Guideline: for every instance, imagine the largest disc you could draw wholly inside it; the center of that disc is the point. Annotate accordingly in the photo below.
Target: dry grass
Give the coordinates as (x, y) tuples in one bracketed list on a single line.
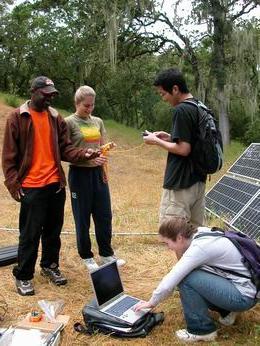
[(135, 183)]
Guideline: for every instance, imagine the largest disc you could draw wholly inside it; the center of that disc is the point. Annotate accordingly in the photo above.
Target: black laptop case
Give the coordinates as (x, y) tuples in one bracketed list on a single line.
[(97, 321)]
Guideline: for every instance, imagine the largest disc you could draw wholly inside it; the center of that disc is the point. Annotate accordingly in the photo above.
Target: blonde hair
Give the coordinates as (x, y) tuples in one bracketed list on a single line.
[(174, 226), (82, 92)]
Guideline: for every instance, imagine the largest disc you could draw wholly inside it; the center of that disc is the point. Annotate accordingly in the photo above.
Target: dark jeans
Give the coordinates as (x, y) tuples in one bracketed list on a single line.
[(90, 195), (41, 216)]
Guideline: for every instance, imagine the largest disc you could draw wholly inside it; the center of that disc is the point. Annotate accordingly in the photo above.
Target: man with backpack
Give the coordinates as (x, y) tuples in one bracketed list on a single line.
[(184, 184)]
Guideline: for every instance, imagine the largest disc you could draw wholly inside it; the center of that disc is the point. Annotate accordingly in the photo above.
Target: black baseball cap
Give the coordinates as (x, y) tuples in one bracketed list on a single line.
[(44, 83)]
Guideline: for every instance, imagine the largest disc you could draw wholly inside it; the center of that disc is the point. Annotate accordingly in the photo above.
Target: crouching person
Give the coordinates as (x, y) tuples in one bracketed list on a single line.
[(206, 278)]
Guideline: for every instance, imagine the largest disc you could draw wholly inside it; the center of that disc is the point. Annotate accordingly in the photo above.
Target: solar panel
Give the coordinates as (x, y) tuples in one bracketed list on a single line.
[(248, 163), (236, 196), (249, 220), (229, 196)]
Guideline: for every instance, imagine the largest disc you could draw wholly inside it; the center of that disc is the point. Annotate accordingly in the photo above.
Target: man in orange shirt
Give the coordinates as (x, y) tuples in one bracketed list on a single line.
[(35, 142)]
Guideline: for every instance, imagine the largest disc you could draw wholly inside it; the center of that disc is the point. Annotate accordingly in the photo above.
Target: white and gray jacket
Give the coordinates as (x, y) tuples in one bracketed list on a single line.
[(207, 253)]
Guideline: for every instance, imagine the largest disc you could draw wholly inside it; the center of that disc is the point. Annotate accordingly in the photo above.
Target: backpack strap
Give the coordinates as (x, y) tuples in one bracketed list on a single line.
[(80, 328), (190, 102), (196, 103), (214, 234)]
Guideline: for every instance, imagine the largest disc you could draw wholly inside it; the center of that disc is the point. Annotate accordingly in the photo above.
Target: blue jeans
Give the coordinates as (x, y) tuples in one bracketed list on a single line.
[(201, 291)]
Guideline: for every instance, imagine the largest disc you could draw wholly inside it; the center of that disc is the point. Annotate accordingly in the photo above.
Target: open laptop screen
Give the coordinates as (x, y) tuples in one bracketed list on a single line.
[(106, 283)]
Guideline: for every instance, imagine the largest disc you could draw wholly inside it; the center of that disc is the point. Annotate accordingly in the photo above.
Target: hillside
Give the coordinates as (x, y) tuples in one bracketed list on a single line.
[(135, 172)]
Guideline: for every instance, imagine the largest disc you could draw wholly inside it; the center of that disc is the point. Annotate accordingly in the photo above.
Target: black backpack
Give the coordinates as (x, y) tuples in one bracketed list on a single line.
[(98, 322), (207, 151), (249, 250)]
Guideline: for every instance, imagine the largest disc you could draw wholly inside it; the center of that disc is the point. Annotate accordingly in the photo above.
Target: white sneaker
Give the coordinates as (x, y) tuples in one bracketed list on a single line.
[(184, 335), (90, 264), (119, 261), (229, 319)]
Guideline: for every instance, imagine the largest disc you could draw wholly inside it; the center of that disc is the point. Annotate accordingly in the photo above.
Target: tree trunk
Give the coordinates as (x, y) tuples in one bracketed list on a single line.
[(223, 117), (218, 67)]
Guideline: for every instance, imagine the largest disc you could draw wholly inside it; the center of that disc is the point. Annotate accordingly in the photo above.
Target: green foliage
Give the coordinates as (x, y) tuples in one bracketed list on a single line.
[(163, 117), (119, 132), (126, 94), (4, 4), (257, 330), (252, 134), (12, 100), (64, 113), (243, 79), (111, 47), (233, 151), (239, 119)]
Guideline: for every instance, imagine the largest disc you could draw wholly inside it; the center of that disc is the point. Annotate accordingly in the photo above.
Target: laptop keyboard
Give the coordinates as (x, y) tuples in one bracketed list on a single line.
[(119, 308)]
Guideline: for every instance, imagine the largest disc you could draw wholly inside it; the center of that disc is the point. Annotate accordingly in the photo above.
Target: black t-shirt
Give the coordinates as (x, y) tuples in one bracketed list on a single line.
[(179, 172)]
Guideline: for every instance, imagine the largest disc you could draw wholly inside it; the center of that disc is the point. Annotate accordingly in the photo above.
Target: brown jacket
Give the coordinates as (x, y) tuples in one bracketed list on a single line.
[(18, 146)]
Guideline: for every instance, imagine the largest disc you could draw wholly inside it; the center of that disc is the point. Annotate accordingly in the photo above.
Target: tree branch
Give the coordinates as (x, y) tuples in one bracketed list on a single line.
[(244, 9)]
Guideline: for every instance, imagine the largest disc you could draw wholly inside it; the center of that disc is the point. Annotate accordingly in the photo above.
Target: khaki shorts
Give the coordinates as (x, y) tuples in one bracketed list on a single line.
[(189, 203)]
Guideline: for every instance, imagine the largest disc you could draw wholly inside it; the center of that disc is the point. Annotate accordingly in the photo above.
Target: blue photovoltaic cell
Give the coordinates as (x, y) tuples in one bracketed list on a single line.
[(249, 220), (248, 164), (236, 196), (229, 196)]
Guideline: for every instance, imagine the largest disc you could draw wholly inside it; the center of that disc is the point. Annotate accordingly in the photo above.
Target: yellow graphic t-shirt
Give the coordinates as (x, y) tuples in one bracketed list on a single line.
[(86, 134), (91, 134)]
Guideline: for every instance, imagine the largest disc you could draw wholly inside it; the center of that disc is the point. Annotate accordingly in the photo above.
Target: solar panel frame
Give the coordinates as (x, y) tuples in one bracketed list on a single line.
[(229, 196), (248, 163), (239, 207), (249, 217)]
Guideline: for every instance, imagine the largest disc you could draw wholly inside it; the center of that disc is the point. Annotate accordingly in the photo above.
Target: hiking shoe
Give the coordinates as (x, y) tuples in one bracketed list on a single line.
[(54, 274), (184, 335), (24, 287), (229, 319), (91, 264), (108, 259)]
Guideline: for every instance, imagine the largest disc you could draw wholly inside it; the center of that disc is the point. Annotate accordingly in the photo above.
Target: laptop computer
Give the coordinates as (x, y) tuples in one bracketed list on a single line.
[(110, 296)]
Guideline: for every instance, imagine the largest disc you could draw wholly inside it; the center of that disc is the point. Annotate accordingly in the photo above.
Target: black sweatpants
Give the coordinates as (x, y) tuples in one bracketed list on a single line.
[(90, 195), (41, 217)]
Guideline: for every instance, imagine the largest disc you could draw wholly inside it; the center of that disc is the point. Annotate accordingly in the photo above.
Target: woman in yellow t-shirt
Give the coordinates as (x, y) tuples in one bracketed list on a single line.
[(89, 190)]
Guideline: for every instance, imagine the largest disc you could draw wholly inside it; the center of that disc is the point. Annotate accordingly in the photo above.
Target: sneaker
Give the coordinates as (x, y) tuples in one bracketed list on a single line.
[(184, 335), (54, 274), (24, 287), (90, 263), (108, 259), (229, 319)]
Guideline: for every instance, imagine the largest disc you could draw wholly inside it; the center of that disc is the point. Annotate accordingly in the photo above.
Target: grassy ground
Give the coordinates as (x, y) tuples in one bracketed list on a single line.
[(136, 173)]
